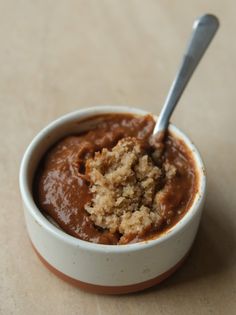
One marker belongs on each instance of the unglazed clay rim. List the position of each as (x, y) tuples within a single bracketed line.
[(80, 115), (108, 289)]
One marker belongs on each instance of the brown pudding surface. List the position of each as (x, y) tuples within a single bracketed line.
[(104, 185)]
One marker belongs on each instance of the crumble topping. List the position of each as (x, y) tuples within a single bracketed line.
[(126, 189)]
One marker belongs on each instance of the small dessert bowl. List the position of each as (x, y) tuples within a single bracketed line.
[(107, 269)]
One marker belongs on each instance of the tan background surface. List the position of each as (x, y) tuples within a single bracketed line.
[(57, 56)]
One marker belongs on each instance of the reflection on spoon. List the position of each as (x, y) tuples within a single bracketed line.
[(204, 29)]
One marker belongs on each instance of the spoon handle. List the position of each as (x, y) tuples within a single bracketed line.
[(204, 29)]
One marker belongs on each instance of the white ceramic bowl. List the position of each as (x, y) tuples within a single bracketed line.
[(105, 268)]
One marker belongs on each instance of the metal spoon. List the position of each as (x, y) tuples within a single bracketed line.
[(204, 29)]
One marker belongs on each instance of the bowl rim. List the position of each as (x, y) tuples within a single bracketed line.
[(81, 114)]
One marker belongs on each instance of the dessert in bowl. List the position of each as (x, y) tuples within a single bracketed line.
[(102, 210)]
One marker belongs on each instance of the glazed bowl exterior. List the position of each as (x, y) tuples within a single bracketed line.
[(96, 267)]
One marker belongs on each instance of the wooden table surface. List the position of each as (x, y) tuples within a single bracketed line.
[(58, 56)]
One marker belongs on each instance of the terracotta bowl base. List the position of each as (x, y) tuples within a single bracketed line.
[(99, 289)]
